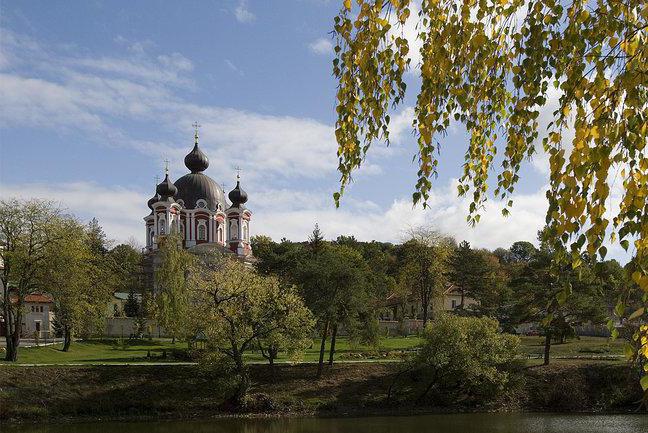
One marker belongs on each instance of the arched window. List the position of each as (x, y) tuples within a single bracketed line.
[(220, 234), (202, 232), (246, 233), (162, 225)]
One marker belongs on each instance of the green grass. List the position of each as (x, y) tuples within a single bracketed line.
[(113, 351), (586, 347), (97, 351), (137, 351)]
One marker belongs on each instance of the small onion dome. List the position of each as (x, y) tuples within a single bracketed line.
[(237, 196), (166, 189), (196, 160), (156, 198)]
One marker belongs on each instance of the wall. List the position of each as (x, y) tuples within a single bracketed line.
[(124, 327)]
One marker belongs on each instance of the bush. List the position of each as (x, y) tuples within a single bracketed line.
[(464, 360)]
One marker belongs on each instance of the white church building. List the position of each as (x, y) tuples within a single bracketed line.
[(195, 206)]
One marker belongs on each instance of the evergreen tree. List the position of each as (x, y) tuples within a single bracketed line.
[(316, 239), (132, 306)]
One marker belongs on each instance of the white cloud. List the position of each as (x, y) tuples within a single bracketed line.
[(292, 213), (321, 46), (119, 210), (446, 212), (242, 13)]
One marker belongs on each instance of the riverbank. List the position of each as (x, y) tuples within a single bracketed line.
[(29, 394)]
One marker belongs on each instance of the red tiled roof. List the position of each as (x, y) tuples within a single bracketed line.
[(35, 298)]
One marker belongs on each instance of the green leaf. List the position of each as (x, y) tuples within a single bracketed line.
[(644, 382)]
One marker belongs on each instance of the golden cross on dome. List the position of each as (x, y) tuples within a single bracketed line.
[(166, 166), (196, 125), (238, 172)]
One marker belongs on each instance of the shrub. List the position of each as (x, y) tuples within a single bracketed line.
[(464, 360)]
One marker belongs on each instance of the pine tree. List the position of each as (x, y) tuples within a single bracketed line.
[(316, 239), (132, 306)]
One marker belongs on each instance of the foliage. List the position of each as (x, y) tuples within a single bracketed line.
[(236, 307), (464, 358), (172, 305), (132, 306), (424, 267), (126, 260), (79, 279), (475, 274), (536, 291), (338, 286), (494, 67), (27, 229)]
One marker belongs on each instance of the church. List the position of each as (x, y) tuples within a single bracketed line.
[(195, 206)]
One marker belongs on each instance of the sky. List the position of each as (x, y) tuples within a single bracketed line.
[(96, 95)]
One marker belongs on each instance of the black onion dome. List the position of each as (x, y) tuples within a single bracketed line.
[(196, 160), (237, 196), (166, 189), (195, 186), (156, 198)]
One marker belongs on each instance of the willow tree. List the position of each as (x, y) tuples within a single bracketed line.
[(493, 66)]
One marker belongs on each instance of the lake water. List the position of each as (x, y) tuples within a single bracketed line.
[(452, 423)]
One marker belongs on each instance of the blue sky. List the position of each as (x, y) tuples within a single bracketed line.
[(95, 95)]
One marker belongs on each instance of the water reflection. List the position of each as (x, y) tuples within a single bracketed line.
[(454, 423)]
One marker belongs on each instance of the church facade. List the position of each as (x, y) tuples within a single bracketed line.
[(195, 207)]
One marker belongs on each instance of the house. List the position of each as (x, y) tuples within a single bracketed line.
[(38, 316), (396, 306), (452, 299), (405, 315)]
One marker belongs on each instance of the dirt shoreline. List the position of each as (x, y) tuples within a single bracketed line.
[(145, 393)]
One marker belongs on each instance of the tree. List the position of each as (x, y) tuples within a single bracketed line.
[(68, 277), (281, 259), (132, 306), (424, 266), (537, 293), (316, 239), (337, 286), (127, 264), (28, 228), (172, 302), (467, 271), (464, 358), (236, 307), (80, 278), (493, 67)]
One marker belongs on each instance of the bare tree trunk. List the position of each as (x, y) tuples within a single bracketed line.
[(67, 338), (426, 304), (273, 352), (320, 366), (463, 294), (12, 328), (332, 348), (547, 346), (244, 380)]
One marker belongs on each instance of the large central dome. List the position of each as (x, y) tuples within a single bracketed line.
[(196, 185)]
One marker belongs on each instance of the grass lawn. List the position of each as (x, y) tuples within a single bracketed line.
[(392, 348), (111, 351), (590, 347)]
